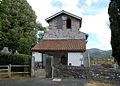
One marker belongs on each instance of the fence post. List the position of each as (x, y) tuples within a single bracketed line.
[(88, 59), (9, 70), (32, 66), (52, 67)]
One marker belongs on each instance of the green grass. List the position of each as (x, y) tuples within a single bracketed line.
[(102, 61), (4, 71)]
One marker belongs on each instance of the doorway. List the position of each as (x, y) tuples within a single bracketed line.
[(64, 60)]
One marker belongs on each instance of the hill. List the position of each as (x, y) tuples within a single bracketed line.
[(94, 52)]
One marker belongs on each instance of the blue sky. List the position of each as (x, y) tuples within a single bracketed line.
[(94, 8), (93, 12)]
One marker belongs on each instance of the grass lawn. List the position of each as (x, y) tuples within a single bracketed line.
[(92, 83)]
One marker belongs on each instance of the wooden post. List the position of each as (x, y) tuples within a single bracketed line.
[(32, 66), (9, 70), (88, 59), (52, 66), (93, 60)]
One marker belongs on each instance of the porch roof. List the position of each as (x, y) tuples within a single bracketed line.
[(61, 45)]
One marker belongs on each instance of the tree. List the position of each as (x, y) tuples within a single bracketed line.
[(18, 23), (114, 17), (40, 30), (2, 10)]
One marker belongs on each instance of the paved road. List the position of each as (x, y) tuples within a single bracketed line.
[(42, 82)]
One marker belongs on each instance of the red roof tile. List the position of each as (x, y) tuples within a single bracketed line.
[(63, 44)]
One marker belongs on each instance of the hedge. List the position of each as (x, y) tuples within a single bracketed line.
[(4, 59), (14, 59)]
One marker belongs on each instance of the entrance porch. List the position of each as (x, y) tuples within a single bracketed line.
[(48, 59), (59, 51)]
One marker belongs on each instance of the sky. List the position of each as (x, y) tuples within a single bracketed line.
[(94, 13)]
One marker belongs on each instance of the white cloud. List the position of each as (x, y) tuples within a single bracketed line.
[(95, 1), (91, 24), (43, 9), (71, 6), (98, 25), (89, 2), (94, 44)]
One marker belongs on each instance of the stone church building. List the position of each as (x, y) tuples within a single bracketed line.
[(64, 43)]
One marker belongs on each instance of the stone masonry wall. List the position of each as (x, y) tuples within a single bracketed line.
[(95, 73), (64, 33), (75, 24)]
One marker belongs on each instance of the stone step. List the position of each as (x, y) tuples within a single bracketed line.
[(40, 73)]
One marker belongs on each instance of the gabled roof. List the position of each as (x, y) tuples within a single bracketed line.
[(63, 12), (61, 45)]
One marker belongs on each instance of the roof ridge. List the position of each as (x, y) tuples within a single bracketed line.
[(65, 12), (62, 39)]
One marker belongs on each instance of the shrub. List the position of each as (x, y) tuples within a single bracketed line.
[(19, 59), (14, 59), (4, 59)]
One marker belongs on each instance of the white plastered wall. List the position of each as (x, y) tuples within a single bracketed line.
[(75, 58), (38, 56)]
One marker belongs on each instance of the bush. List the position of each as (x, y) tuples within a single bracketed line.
[(14, 59), (4, 59), (19, 59)]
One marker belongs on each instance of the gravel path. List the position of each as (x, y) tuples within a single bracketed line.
[(43, 82)]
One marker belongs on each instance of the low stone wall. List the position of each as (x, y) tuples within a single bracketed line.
[(107, 75)]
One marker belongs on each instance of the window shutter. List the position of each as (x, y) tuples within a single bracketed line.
[(59, 23)]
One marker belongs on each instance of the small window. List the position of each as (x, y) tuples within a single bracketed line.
[(68, 23), (59, 23)]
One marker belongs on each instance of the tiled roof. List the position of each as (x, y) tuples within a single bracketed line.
[(61, 45)]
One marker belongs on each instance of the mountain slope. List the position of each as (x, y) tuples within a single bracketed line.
[(94, 52)]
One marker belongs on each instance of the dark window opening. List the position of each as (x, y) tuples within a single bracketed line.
[(80, 23), (68, 23)]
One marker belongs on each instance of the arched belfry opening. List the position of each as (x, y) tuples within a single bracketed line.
[(68, 23)]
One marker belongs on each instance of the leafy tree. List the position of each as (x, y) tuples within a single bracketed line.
[(40, 30), (18, 23), (114, 13), (2, 10)]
